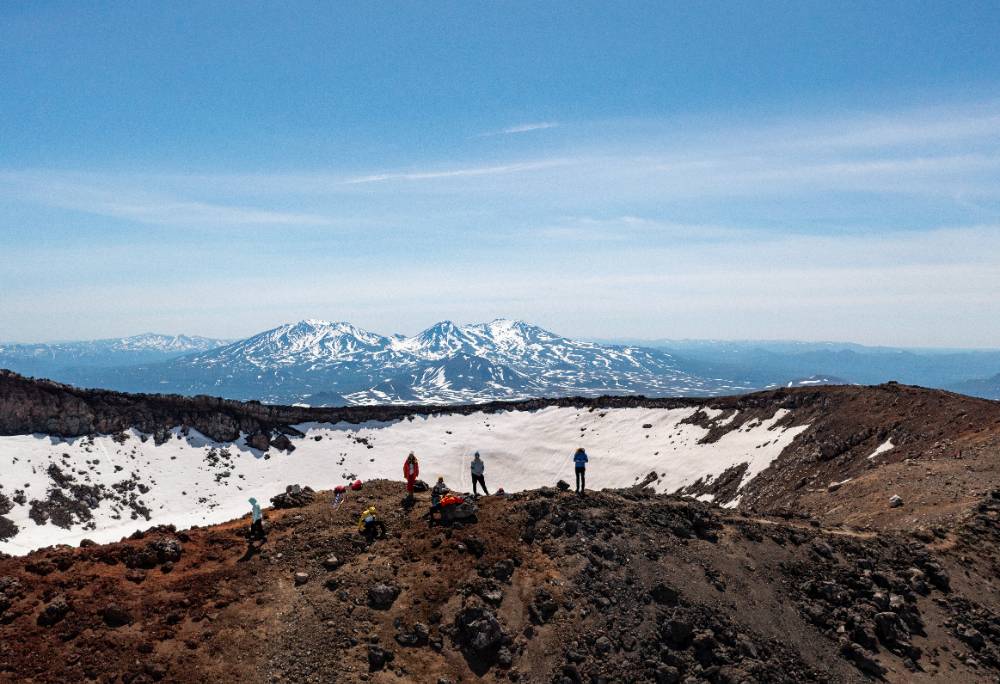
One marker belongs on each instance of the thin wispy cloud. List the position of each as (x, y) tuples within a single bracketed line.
[(952, 153), (650, 225), (632, 228), (113, 197), (528, 127), (520, 128), (733, 288), (457, 173), (906, 128)]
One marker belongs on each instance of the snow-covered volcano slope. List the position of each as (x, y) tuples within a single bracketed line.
[(104, 487)]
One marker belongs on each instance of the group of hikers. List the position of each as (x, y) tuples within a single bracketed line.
[(371, 527)]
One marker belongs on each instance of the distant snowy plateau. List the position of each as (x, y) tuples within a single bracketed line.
[(103, 487)]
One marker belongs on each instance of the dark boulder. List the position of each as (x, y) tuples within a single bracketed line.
[(54, 612), (115, 615), (382, 596), (664, 595), (294, 496), (259, 441), (478, 630), (283, 443), (378, 657)]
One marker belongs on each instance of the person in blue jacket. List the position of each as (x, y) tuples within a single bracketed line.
[(580, 460)]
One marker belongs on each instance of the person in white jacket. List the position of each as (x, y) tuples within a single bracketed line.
[(478, 468)]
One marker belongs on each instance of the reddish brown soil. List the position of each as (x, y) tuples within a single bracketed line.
[(946, 455), (615, 586), (806, 582)]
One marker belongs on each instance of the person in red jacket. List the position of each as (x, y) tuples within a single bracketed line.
[(410, 471)]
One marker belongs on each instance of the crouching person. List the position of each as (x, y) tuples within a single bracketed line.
[(437, 493), (370, 527)]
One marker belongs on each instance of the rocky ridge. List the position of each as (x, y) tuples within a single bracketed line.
[(545, 586)]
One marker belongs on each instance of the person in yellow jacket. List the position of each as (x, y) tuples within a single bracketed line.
[(370, 526)]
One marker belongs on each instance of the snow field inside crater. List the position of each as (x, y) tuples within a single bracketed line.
[(192, 480)]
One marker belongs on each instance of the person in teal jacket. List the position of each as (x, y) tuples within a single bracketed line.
[(580, 460), (256, 522)]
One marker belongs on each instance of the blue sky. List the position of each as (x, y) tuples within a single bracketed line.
[(728, 170)]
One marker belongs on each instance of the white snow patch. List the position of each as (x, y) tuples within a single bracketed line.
[(522, 450), (882, 448)]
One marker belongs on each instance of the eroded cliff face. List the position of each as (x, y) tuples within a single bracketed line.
[(29, 405), (854, 448)]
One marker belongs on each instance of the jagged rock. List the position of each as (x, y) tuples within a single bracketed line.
[(972, 636), (895, 501), (167, 550), (890, 629), (142, 557), (378, 657), (301, 578), (823, 549), (603, 645), (937, 575), (115, 615), (864, 634), (156, 671), (459, 512), (543, 607), (259, 441), (332, 562), (648, 480), (563, 486), (53, 612), (418, 636), (667, 674), (492, 596), (478, 630), (10, 586), (863, 659), (678, 632), (283, 443), (420, 486), (294, 496), (382, 596), (475, 546), (503, 570), (664, 595)]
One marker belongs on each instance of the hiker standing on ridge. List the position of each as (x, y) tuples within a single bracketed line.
[(580, 460), (410, 471), (478, 468), (257, 522)]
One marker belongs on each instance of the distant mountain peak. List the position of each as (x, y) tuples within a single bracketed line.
[(319, 360)]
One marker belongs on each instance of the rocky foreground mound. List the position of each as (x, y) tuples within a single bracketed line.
[(617, 586)]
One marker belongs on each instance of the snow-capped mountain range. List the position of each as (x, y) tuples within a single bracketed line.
[(118, 351), (321, 362), (330, 363)]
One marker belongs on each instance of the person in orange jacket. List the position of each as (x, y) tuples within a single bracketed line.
[(410, 471)]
